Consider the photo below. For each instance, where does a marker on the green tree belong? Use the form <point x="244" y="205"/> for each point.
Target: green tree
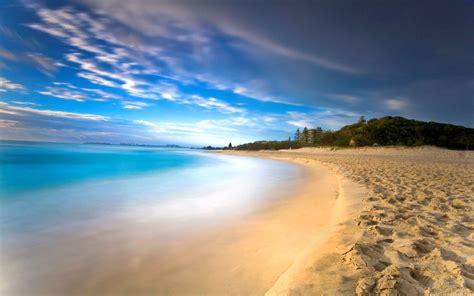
<point x="305" y="135"/>
<point x="297" y="135"/>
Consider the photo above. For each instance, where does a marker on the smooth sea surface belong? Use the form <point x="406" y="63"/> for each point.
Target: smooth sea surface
<point x="68" y="210"/>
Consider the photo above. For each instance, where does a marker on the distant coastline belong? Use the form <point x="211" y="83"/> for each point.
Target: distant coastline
<point x="138" y="145"/>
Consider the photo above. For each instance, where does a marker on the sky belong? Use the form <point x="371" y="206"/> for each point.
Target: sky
<point x="212" y="72"/>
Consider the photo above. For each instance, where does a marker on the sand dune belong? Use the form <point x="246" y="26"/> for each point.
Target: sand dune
<point x="414" y="235"/>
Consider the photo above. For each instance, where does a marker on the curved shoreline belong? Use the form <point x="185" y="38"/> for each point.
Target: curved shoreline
<point x="416" y="227"/>
<point x="317" y="269"/>
<point x="245" y="257"/>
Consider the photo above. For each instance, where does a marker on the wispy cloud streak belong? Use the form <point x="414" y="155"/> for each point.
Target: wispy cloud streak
<point x="7" y="85"/>
<point x="16" y="110"/>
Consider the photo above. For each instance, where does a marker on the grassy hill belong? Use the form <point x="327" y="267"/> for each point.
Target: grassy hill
<point x="382" y="132"/>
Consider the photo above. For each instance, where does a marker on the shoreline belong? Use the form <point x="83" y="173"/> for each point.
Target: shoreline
<point x="251" y="256"/>
<point x="351" y="221"/>
<point x="331" y="241"/>
<point x="107" y="227"/>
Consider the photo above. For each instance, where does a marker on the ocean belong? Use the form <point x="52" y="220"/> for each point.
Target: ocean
<point x="67" y="209"/>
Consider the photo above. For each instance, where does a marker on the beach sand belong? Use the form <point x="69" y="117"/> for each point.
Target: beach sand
<point x="412" y="236"/>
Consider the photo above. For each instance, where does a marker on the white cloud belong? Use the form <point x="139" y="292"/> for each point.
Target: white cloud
<point x="240" y="90"/>
<point x="101" y="95"/>
<point x="171" y="127"/>
<point x="25" y="103"/>
<point x="167" y="96"/>
<point x="63" y="94"/>
<point x="232" y="127"/>
<point x="213" y="103"/>
<point x="65" y="23"/>
<point x="97" y="79"/>
<point x="133" y="86"/>
<point x="145" y="123"/>
<point x="256" y="89"/>
<point x="67" y="91"/>
<point x="204" y="131"/>
<point x="7" y="85"/>
<point x="300" y="123"/>
<point x="397" y="104"/>
<point x="300" y="119"/>
<point x="128" y="56"/>
<point x="134" y="105"/>
<point x="96" y="75"/>
<point x="16" y="110"/>
<point x="86" y="33"/>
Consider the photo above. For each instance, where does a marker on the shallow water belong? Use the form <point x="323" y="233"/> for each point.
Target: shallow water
<point x="67" y="210"/>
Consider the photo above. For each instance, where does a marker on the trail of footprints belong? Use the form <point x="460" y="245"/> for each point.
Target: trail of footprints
<point x="418" y="226"/>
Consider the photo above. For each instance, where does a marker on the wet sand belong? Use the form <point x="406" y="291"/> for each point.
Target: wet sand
<point x="245" y="257"/>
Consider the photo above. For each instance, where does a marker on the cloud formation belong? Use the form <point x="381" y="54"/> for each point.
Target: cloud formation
<point x="7" y="85"/>
<point x="326" y="53"/>
<point x="220" y="69"/>
<point x="398" y="104"/>
<point x="20" y="111"/>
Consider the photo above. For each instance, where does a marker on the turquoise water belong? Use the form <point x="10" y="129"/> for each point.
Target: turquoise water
<point x="31" y="166"/>
<point x="69" y="210"/>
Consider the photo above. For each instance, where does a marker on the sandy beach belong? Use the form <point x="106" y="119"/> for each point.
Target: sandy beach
<point x="245" y="256"/>
<point x="367" y="221"/>
<point x="247" y="148"/>
<point x="413" y="234"/>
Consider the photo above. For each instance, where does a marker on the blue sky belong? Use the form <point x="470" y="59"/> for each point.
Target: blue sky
<point x="213" y="72"/>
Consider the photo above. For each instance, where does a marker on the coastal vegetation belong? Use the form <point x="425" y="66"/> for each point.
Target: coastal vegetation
<point x="385" y="131"/>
